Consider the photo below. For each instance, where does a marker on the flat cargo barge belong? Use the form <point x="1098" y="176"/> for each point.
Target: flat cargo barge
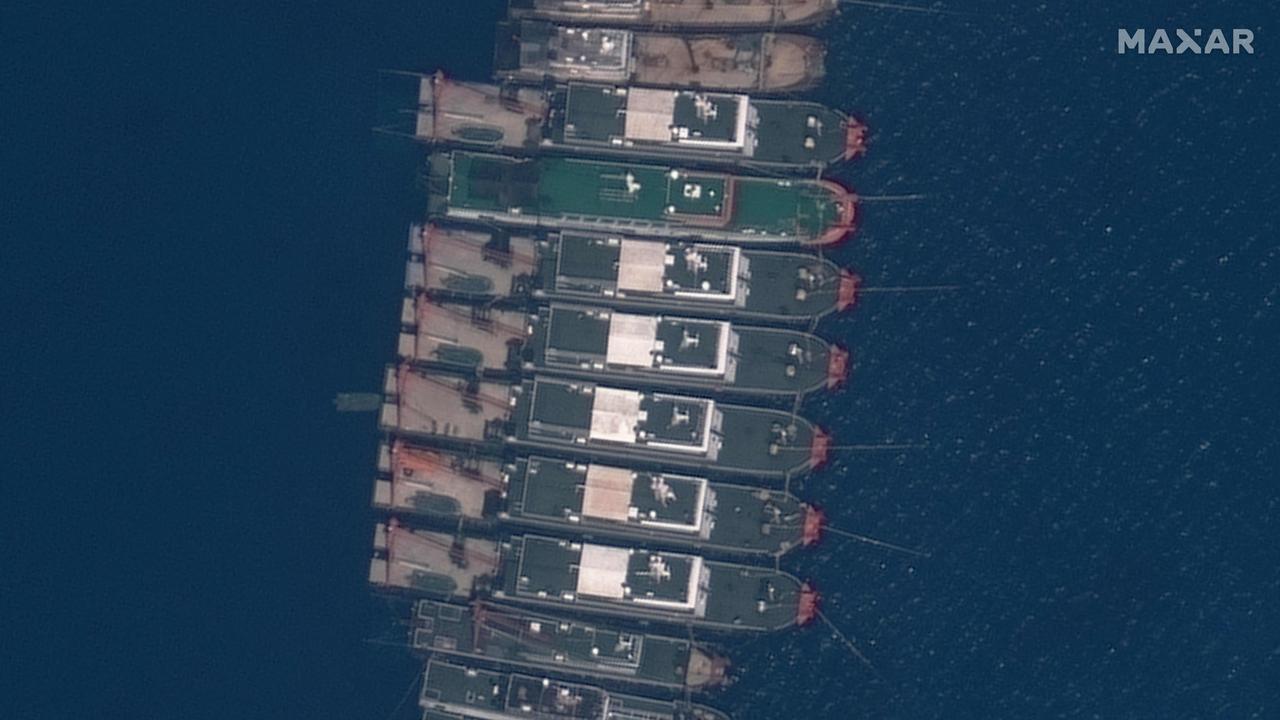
<point x="564" y="645"/>
<point x="594" y="501"/>
<point x="702" y="279"/>
<point x="577" y="194"/>
<point x="456" y="692"/>
<point x="599" y="423"/>
<point x="678" y="125"/>
<point x="701" y="15"/>
<point x="537" y="52"/>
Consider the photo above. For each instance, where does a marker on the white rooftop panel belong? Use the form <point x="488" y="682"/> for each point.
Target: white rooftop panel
<point x="631" y="340"/>
<point x="602" y="571"/>
<point x="641" y="266"/>
<point x="615" y="414"/>
<point x="649" y="114"/>
<point x="608" y="493"/>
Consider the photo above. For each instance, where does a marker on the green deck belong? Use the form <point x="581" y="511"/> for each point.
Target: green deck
<point x="550" y="188"/>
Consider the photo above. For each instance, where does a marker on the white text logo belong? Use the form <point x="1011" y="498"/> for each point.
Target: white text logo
<point x="1178" y="41"/>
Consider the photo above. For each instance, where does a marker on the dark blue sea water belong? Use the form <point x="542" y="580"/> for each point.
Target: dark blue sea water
<point x="204" y="242"/>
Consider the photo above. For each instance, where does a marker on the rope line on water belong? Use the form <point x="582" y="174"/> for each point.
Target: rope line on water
<point x="878" y="543"/>
<point x="849" y="644"/>
<point x="897" y="6"/>
<point x="417" y="678"/>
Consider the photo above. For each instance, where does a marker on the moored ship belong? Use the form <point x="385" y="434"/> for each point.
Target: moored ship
<point x="594" y="501"/>
<point x="643" y="584"/>
<point x="678" y="125"/>
<point x="669" y="508"/>
<point x="564" y="645"/>
<point x="535" y="52"/>
<point x="627" y="349"/>
<point x="599" y="422"/>
<point x="456" y="692"/>
<point x="578" y="194"/>
<point x="624" y="581"/>
<point x="666" y="351"/>
<point x="695" y="278"/>
<point x="616" y="424"/>
<point x="705" y="14"/>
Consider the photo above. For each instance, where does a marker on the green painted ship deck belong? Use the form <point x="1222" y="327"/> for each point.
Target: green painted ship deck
<point x="637" y="583"/>
<point x="571" y="193"/>
<point x="572" y="646"/>
<point x="456" y="692"/>
<point x="706" y="14"/>
<point x="534" y="52"/>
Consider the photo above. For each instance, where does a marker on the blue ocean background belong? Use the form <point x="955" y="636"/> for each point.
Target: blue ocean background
<point x="204" y="242"/>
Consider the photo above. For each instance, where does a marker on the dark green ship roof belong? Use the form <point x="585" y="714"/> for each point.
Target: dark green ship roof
<point x="669" y="507"/>
<point x="680" y="430"/>
<point x="694" y="277"/>
<point x="680" y="352"/>
<point x="450" y="690"/>
<point x="575" y="193"/>
<point x="701" y="124"/>
<point x="567" y="645"/>
<point x="633" y="582"/>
